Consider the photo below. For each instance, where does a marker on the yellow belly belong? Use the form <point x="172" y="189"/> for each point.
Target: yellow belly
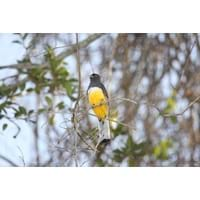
<point x="98" y="101"/>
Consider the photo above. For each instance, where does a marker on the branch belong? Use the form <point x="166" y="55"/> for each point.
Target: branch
<point x="8" y="161"/>
<point x="116" y="121"/>
<point x="81" y="45"/>
<point x="13" y="122"/>
<point x="181" y="113"/>
<point x="19" y="66"/>
<point x="160" y="112"/>
<point x="61" y="56"/>
<point x="75" y="110"/>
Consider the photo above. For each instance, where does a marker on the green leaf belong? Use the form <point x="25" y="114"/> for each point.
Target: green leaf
<point x="30" y="89"/>
<point x="22" y="110"/>
<point x="4" y="127"/>
<point x="157" y="151"/>
<point x="41" y="110"/>
<point x="62" y="72"/>
<point x="22" y="86"/>
<point x="60" y="105"/>
<point x="30" y="112"/>
<point x="73" y="80"/>
<point x="161" y="150"/>
<point x="48" y="100"/>
<point x="51" y="120"/>
<point x="129" y="144"/>
<point x="171" y="104"/>
<point x="3" y="105"/>
<point x="173" y="119"/>
<point x="68" y="87"/>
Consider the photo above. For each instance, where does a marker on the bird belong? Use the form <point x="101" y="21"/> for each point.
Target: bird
<point x="99" y="102"/>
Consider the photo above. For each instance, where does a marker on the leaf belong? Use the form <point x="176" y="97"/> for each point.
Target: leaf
<point x="118" y="155"/>
<point x="22" y="110"/>
<point x="62" y="72"/>
<point x="129" y="144"/>
<point x="157" y="151"/>
<point x="68" y="88"/>
<point x="60" y="105"/>
<point x="171" y="104"/>
<point x="17" y="42"/>
<point x="73" y="80"/>
<point x="4" y="127"/>
<point x="30" y="89"/>
<point x="48" y="100"/>
<point x="51" y="120"/>
<point x="161" y="150"/>
<point x="30" y="112"/>
<point x="22" y="86"/>
<point x="3" y="105"/>
<point x="41" y="110"/>
<point x="173" y="119"/>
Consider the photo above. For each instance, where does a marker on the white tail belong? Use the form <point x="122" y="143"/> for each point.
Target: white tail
<point x="104" y="130"/>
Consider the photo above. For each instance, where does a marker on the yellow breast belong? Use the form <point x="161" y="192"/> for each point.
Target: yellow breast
<point x="98" y="101"/>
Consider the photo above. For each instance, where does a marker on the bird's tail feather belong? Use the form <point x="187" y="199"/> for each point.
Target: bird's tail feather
<point x="104" y="131"/>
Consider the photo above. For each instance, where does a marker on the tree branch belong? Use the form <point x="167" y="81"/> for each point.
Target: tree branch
<point x="61" y="56"/>
<point x="81" y="45"/>
<point x="8" y="161"/>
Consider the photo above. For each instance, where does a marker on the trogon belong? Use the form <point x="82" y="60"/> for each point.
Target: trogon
<point x="98" y="100"/>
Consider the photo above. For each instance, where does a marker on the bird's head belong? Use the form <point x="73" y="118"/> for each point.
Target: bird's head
<point x="95" y="77"/>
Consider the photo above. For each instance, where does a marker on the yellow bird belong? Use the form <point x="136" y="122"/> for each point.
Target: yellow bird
<point x="98" y="100"/>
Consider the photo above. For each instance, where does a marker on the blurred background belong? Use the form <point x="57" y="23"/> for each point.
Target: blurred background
<point x="153" y="81"/>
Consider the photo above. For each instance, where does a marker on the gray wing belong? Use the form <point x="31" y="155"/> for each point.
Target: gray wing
<point x="104" y="90"/>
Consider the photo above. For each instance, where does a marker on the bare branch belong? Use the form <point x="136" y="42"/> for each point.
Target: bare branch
<point x="181" y="113"/>
<point x="8" y="161"/>
<point x="19" y="66"/>
<point x="81" y="45"/>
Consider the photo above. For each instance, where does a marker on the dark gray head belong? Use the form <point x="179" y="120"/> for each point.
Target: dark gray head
<point x="95" y="77"/>
<point x="95" y="81"/>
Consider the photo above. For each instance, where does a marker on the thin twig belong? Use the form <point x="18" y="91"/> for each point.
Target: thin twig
<point x="187" y="59"/>
<point x="13" y="122"/>
<point x="22" y="156"/>
<point x="181" y="113"/>
<point x="116" y="121"/>
<point x="8" y="161"/>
